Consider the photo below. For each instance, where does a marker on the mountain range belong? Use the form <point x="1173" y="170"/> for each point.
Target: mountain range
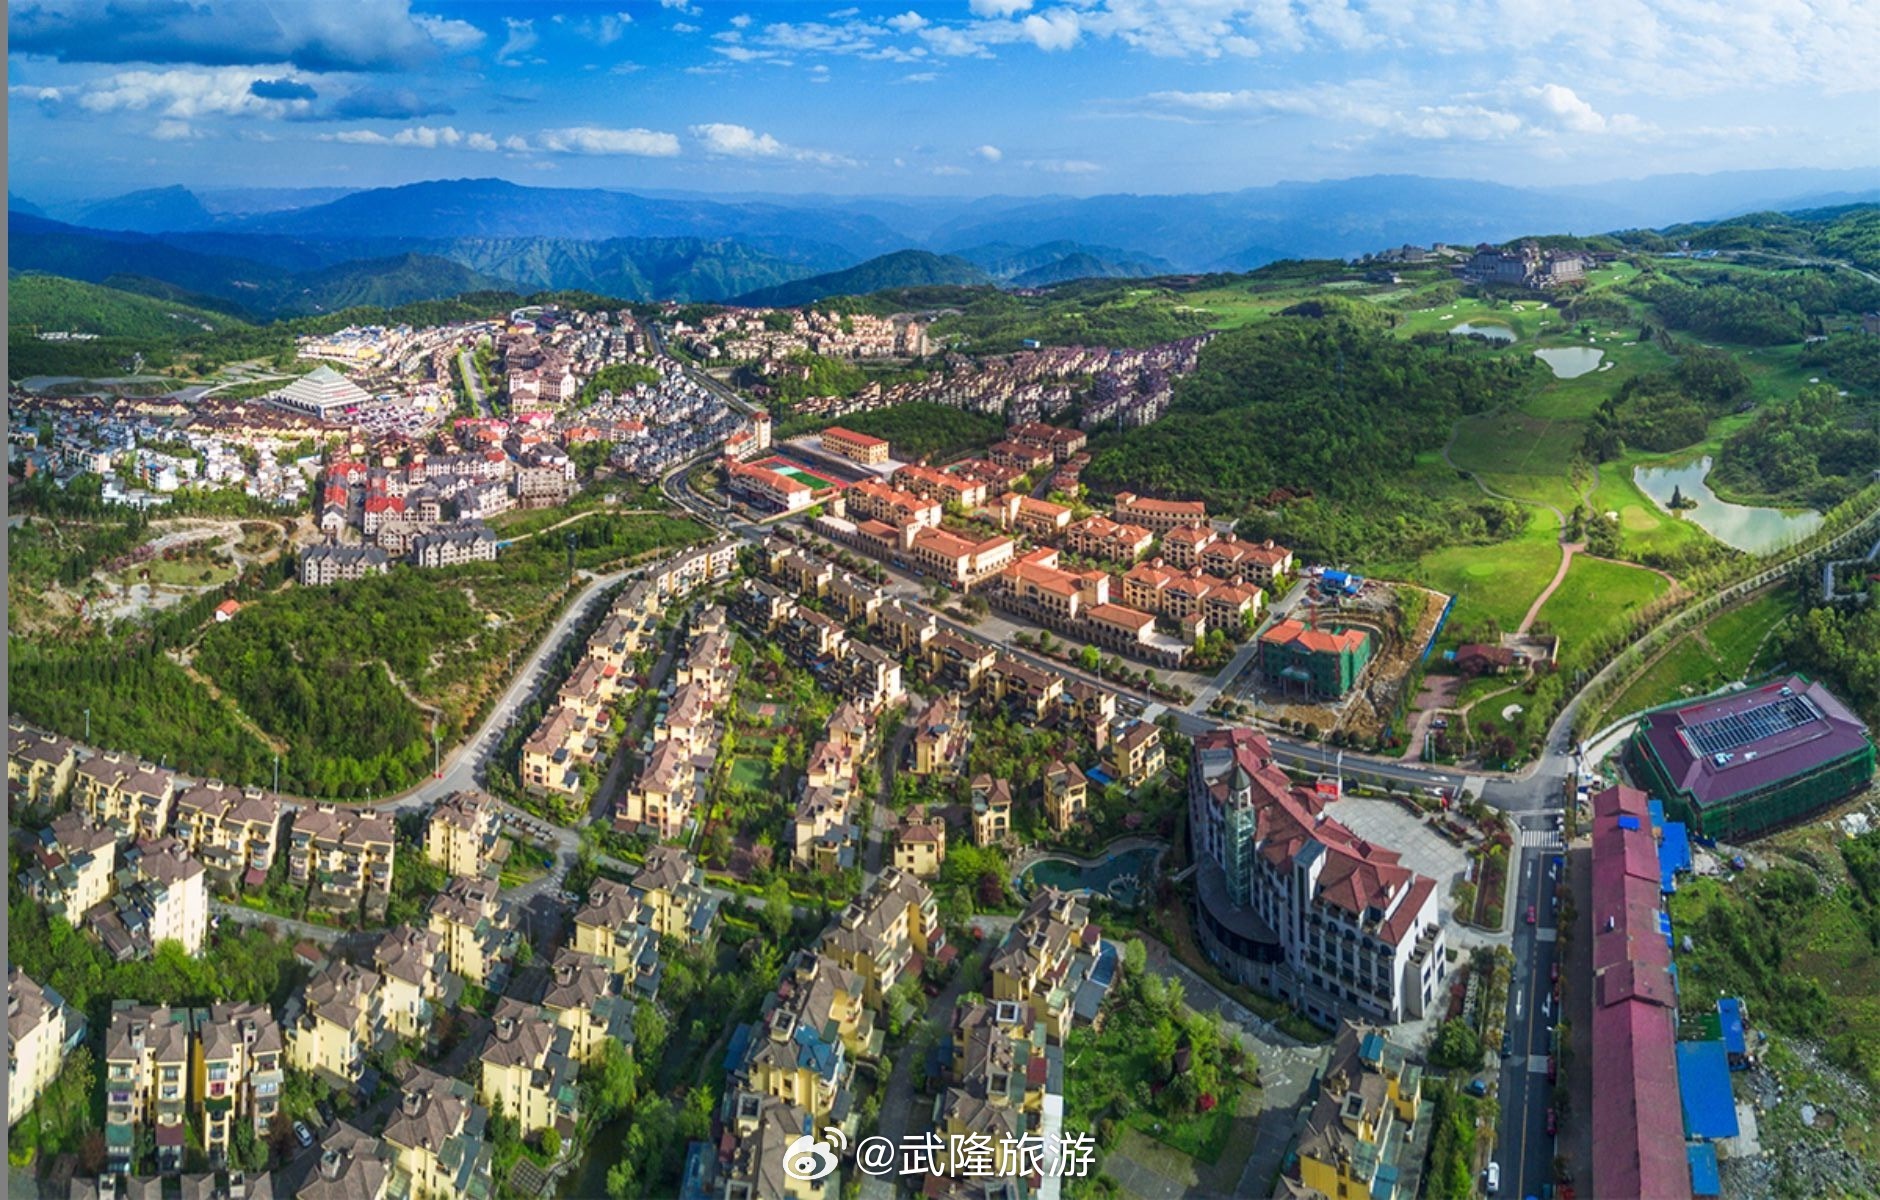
<point x="267" y="252"/>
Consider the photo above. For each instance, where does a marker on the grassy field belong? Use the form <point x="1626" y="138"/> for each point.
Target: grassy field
<point x="1498" y="581"/>
<point x="1594" y="594"/>
<point x="1730" y="646"/>
<point x="751" y="770"/>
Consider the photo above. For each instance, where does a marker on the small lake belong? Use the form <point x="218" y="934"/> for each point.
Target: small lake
<point x="1756" y="530"/>
<point x="1494" y="333"/>
<point x="1571" y="362"/>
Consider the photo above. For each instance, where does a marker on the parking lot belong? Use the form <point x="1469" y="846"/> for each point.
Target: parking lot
<point x="1386" y="823"/>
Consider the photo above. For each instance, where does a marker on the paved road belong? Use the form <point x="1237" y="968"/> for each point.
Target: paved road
<point x="1524" y="1147"/>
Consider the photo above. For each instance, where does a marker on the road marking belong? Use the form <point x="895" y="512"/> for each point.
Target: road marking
<point x="1546" y="933"/>
<point x="1537" y="1064"/>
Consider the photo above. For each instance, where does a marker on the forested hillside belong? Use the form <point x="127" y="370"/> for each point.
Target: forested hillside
<point x="1319" y="401"/>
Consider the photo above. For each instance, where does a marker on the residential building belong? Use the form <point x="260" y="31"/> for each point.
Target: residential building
<point x="957" y="562"/>
<point x="1027" y="692"/>
<point x="1066" y="795"/>
<point x="41" y="765"/>
<point x="529" y="1071"/>
<point x="477" y="929"/>
<point x="880" y="933"/>
<point x="333" y="1022"/>
<point x="1000" y="1075"/>
<point x="613" y="926"/>
<point x="944" y="486"/>
<point x="940" y="734"/>
<point x="235" y="1072"/>
<point x="992" y="810"/>
<point x="872" y="500"/>
<point x="147" y="1074"/>
<point x="920" y="846"/>
<point x="1358" y="1139"/>
<point x="1039" y="519"/>
<point x="352" y="1166"/>
<point x="436" y="1138"/>
<point x="412" y="968"/>
<point x="661" y="796"/>
<point x="464" y="834"/>
<point x="1229" y="558"/>
<point x="1135" y="752"/>
<point x="758" y="1134"/>
<point x="1293" y="903"/>
<point x="131" y="799"/>
<point x="162" y="896"/>
<point x="450" y="545"/>
<point x="592" y="1001"/>
<point x="41" y="1030"/>
<point x="1158" y="516"/>
<point x="324" y="565"/>
<point x="956" y="663"/>
<point x="1100" y="537"/>
<point x="1062" y="443"/>
<point x="857" y="447"/>
<point x="670" y="888"/>
<point x="72" y="867"/>
<point x="794" y="1052"/>
<point x="1047" y="957"/>
<point x="345" y="855"/>
<point x="236" y="833"/>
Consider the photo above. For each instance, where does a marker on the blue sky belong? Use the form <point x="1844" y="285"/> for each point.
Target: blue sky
<point x="965" y="97"/>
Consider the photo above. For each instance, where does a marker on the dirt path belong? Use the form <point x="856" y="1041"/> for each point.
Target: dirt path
<point x="1567" y="551"/>
<point x="234" y="710"/>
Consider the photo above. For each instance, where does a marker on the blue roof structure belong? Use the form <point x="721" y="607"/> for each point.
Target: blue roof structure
<point x="1730" y="1016"/>
<point x="734" y="1052"/>
<point x="1674" y="855"/>
<point x="1656" y="808"/>
<point x="1704" y="1087"/>
<point x="1098" y="776"/>
<point x="1628" y="821"/>
<point x="1706" y="1179"/>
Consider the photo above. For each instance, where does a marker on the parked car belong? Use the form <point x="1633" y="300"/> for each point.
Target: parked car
<point x="1491" y="1178"/>
<point x="1550" y="1122"/>
<point x="302" y="1134"/>
<point x="1530" y="914"/>
<point x="1477" y="1087"/>
<point x="1507" y="1044"/>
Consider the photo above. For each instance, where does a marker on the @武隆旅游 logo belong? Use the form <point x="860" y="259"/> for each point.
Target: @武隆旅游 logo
<point x="809" y="1159"/>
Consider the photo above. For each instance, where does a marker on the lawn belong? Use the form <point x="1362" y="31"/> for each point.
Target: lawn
<point x="1727" y="648"/>
<point x="751" y="770"/>
<point x="1596" y="594"/>
<point x="1497" y="581"/>
<point x="1644" y="527"/>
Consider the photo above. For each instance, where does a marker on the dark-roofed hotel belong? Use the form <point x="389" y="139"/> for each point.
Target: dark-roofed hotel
<point x="1753" y="760"/>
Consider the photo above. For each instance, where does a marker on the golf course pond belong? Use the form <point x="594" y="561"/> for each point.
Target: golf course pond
<point x="1752" y="529"/>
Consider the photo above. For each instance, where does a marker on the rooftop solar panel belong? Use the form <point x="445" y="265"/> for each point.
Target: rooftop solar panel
<point x="1720" y="734"/>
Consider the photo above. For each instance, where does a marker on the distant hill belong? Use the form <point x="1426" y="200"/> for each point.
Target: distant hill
<point x="496" y="208"/>
<point x="157" y="210"/>
<point x="1055" y="262"/>
<point x="41" y="303"/>
<point x="382" y="283"/>
<point x="903" y="268"/>
<point x="21" y="204"/>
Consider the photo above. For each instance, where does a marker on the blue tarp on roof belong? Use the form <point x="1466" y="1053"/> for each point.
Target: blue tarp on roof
<point x="734" y="1051"/>
<point x="1730" y="1016"/>
<point x="1704" y="1087"/>
<point x="1706" y="1179"/>
<point x="1674" y="855"/>
<point x="1098" y="776"/>
<point x="1628" y="821"/>
<point x="1657" y="809"/>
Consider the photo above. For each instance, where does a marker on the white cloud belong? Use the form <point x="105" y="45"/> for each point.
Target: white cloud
<point x="680" y="6"/>
<point x="739" y="141"/>
<point x="740" y="21"/>
<point x="998" y="8"/>
<point x="1065" y="166"/>
<point x="516" y="144"/>
<point x="907" y="22"/>
<point x="589" y="139"/>
<point x="682" y="27"/>
<point x="1058" y="29"/>
<point x="45" y="95"/>
<point x="921" y="77"/>
<point x="418" y="137"/>
<point x="1564" y="108"/>
<point x="605" y="29"/>
<point x="189" y="93"/>
<point x="174" y="131"/>
<point x="522" y="39"/>
<point x="451" y="35"/>
<point x="949" y="169"/>
<point x="989" y="153"/>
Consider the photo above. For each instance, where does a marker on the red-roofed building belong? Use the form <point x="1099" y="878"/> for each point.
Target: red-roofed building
<point x="1638" y="1121"/>
<point x="1321" y="662"/>
<point x="1294" y="903"/>
<point x="857" y="447"/>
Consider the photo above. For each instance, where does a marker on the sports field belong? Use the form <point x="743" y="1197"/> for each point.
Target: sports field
<point x="798" y="472"/>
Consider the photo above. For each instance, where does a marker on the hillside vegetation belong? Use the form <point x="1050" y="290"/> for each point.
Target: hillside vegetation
<point x="48" y="302"/>
<point x="1321" y="402"/>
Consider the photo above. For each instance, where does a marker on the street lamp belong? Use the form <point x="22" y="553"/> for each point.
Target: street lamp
<point x="88" y="725"/>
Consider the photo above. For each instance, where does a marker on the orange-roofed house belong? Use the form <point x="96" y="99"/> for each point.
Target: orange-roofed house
<point x="1320" y="662"/>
